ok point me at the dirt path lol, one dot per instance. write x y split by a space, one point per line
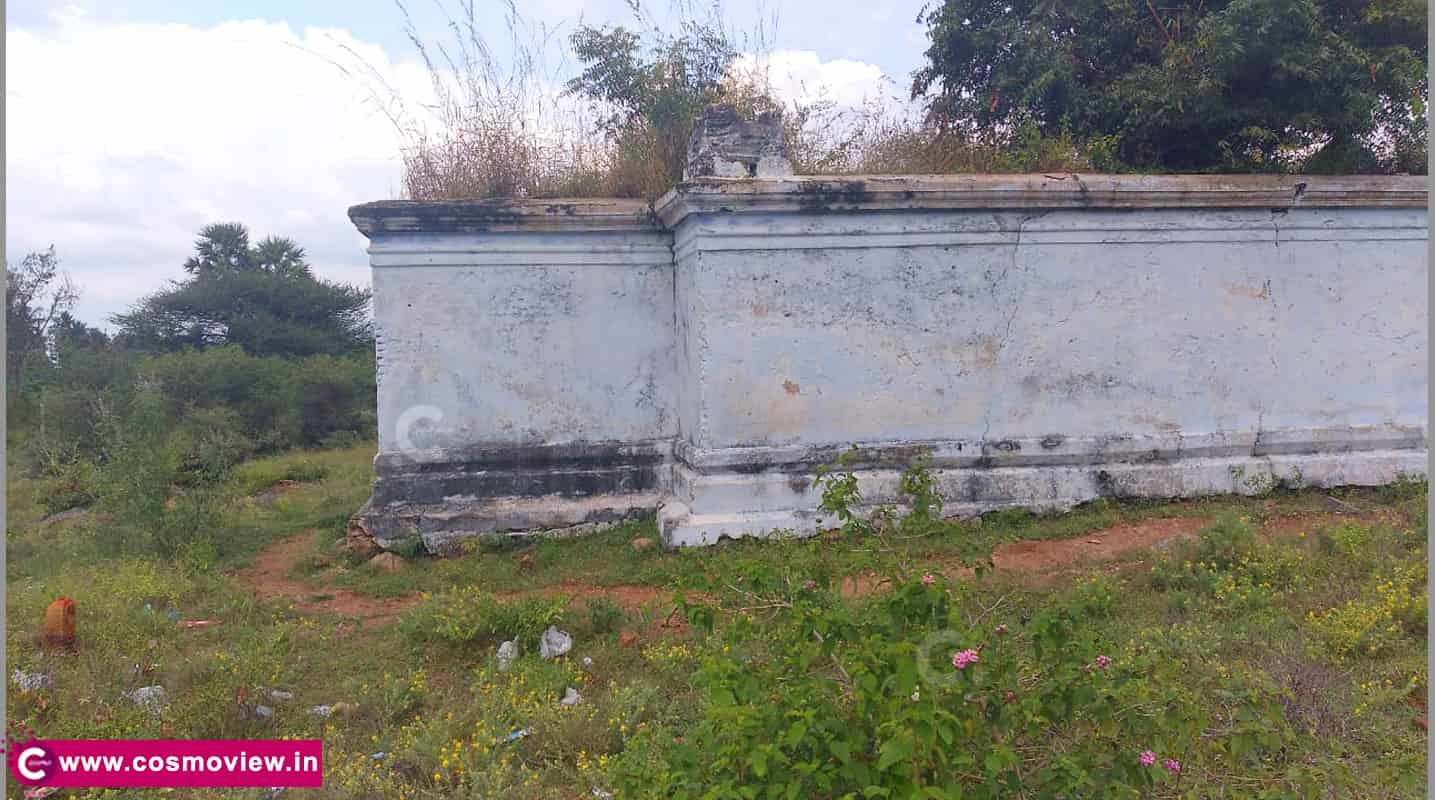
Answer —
269 579
1044 560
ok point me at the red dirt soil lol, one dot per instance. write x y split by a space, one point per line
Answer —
1103 545
1042 559
269 580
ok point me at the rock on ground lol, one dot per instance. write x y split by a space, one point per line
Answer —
358 543
507 654
554 643
150 698
389 562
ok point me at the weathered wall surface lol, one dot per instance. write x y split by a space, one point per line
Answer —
525 363
562 337
1042 340
830 328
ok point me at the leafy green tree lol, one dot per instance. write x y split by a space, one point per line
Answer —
263 298
1192 85
37 295
71 335
652 88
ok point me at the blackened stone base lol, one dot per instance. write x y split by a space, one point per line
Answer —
442 496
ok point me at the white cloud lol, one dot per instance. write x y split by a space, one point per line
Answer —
803 76
122 140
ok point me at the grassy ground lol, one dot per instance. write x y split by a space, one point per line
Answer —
1294 617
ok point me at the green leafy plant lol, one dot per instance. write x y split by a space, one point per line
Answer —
911 698
602 615
466 616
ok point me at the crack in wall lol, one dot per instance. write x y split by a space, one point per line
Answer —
1014 306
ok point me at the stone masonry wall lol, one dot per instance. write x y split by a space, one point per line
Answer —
1042 340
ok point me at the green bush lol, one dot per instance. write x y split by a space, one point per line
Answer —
1227 542
468 616
279 402
915 697
604 615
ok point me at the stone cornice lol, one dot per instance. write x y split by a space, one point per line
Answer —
498 215
1039 191
889 193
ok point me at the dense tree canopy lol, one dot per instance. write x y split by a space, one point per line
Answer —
1194 85
263 298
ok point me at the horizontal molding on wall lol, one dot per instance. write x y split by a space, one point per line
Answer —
498 215
821 194
1035 192
1054 449
568 248
885 230
706 508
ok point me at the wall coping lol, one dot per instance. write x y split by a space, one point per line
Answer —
1037 191
817 193
503 215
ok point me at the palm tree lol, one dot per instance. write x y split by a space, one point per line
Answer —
281 256
221 245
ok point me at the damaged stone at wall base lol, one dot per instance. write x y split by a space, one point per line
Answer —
442 527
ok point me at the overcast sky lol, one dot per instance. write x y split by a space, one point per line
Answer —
132 123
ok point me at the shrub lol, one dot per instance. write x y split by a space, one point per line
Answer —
603 615
1227 542
1389 611
913 697
274 402
467 616
67 485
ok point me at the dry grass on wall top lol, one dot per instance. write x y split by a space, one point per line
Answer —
621 128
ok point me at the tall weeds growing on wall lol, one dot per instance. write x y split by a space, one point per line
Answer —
495 127
510 126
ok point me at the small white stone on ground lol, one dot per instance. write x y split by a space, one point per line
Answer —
150 698
554 643
507 654
29 681
571 697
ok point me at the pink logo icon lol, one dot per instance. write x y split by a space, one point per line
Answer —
30 761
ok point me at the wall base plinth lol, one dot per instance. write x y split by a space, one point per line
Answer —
444 495
714 507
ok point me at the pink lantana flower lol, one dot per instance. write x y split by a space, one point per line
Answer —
1102 661
1173 765
1148 758
965 658
928 579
